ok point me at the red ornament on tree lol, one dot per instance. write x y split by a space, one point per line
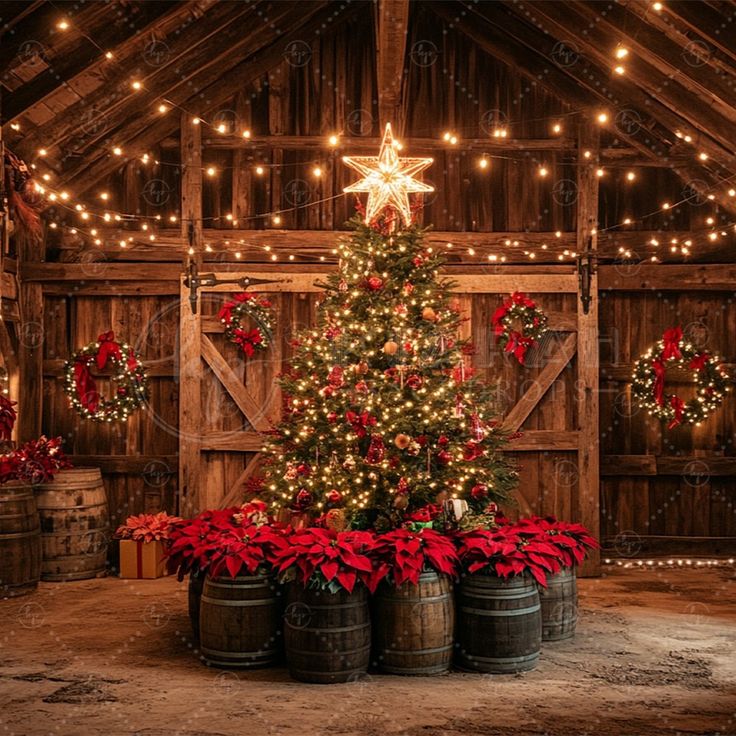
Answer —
376 450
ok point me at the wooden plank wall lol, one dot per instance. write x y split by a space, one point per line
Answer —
665 490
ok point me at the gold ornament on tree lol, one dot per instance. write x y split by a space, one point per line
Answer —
388 179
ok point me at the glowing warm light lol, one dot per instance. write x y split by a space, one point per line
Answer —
246 134
557 128
703 156
196 121
104 196
333 140
732 192
277 220
42 151
587 154
483 163
63 25
211 171
666 206
64 195
627 221
599 173
117 151
622 52
136 85
630 176
15 126
603 118
316 171
162 108
259 170
446 136
620 70
388 179
108 55
221 128
543 171
657 6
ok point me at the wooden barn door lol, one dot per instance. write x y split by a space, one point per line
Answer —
225 402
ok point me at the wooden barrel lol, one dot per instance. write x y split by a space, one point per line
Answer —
20 540
75 527
413 626
559 605
499 624
239 622
327 635
194 599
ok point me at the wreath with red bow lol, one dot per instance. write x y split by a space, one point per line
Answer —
255 307
129 378
518 324
672 351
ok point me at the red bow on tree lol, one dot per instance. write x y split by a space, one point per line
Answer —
359 422
671 340
108 348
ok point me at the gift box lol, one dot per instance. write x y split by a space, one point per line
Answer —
140 559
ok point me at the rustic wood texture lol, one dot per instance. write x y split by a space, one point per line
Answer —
413 626
20 541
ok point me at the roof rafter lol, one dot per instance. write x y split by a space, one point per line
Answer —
392 21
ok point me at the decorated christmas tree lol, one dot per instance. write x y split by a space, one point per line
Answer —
383 416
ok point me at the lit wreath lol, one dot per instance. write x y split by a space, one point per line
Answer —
649 379
257 308
519 308
130 379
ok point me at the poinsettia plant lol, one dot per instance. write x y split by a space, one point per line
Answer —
508 551
37 461
573 541
194 542
402 555
327 559
147 527
247 550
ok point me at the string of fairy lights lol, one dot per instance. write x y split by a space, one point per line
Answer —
93 221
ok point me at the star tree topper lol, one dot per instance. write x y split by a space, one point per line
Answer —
388 179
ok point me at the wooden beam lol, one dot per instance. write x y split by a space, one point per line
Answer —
586 387
651 465
651 277
543 440
233 441
392 22
190 331
547 376
128 464
235 495
235 388
140 133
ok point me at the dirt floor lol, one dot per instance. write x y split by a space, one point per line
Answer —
655 653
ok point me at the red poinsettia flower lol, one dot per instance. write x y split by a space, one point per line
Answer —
505 552
333 560
247 550
571 540
402 554
37 461
147 527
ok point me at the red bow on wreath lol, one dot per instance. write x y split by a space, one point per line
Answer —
518 345
679 406
519 297
671 340
86 386
659 371
108 348
248 340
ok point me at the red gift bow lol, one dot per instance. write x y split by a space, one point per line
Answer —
671 340
360 421
678 405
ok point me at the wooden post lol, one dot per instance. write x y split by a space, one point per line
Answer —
190 361
392 21
588 358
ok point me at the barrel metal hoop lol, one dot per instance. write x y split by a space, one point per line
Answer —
20 535
498 595
416 601
341 606
262 653
328 630
211 584
236 604
501 660
434 650
340 652
70 508
502 614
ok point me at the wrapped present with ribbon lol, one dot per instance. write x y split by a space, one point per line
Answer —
142 560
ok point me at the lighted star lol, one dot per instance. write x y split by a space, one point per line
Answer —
388 179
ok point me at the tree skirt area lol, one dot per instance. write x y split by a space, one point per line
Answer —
654 654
